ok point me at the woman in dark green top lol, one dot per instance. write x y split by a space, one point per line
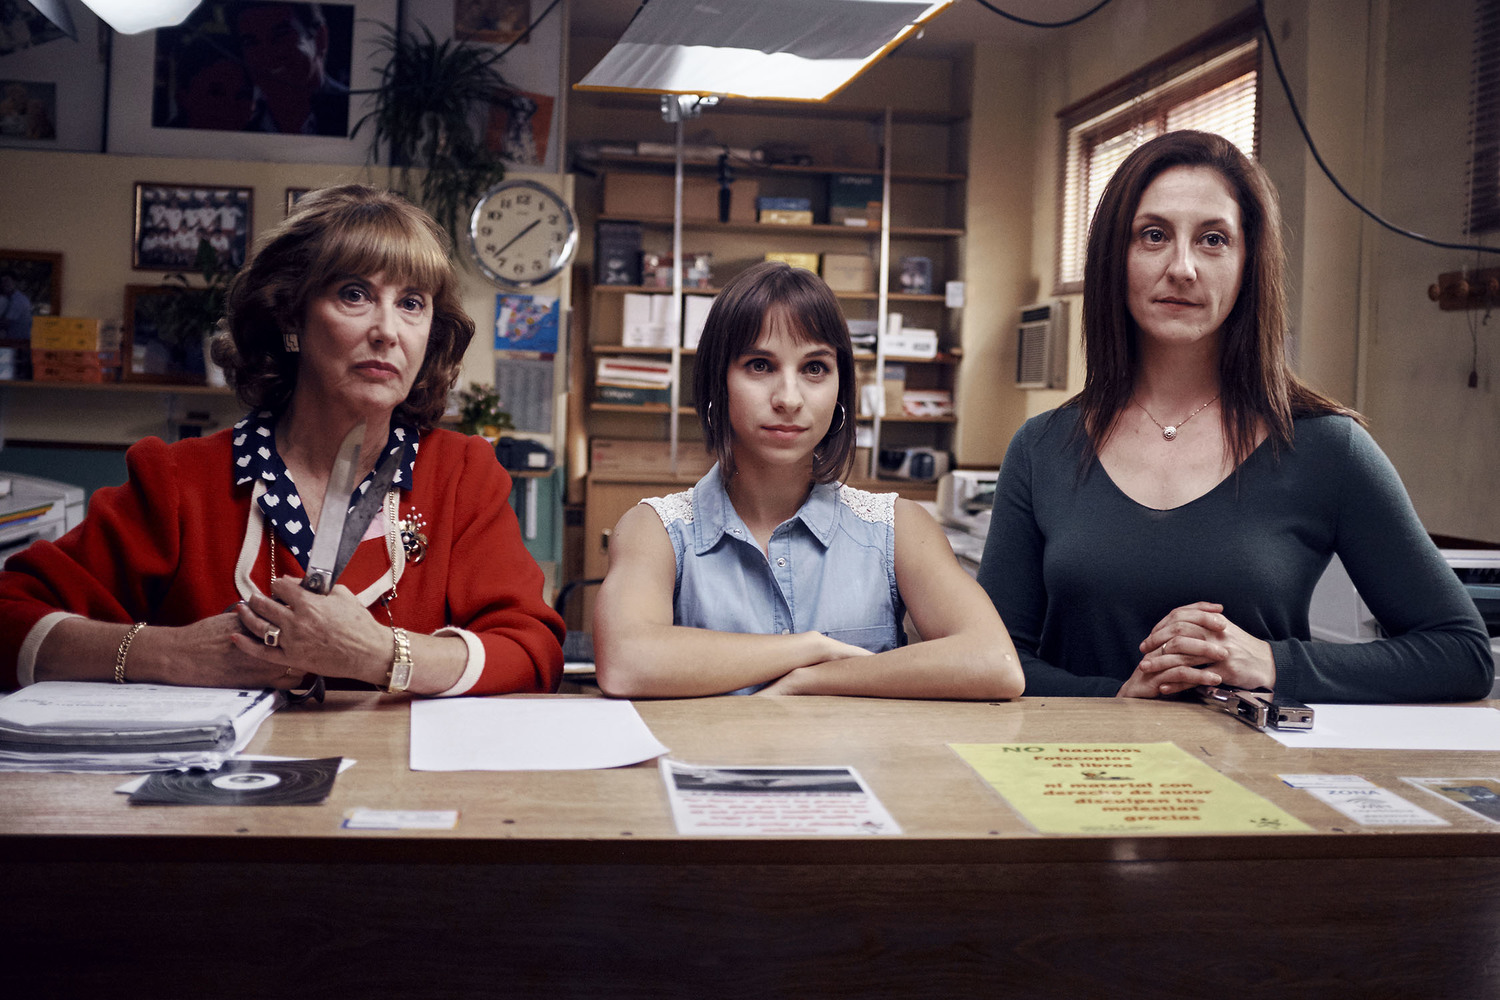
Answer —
1165 527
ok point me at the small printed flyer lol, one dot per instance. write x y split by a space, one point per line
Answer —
773 801
1109 788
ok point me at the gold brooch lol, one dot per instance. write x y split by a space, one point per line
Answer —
413 536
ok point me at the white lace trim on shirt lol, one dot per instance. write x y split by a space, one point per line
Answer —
876 508
676 507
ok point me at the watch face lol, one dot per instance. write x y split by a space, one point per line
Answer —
522 233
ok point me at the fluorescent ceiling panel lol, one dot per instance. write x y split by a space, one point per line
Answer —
771 49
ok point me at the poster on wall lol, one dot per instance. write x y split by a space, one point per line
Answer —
497 21
519 127
251 80
28 110
22 26
256 66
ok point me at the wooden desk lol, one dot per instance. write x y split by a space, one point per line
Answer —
575 883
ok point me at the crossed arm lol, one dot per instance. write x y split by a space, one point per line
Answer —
640 653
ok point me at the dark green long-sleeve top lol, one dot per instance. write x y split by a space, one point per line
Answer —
1081 573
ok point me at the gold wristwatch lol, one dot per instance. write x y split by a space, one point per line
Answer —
399 677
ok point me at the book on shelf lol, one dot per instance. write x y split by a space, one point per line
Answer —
633 371
631 395
97 726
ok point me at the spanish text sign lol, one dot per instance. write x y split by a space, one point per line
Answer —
1107 788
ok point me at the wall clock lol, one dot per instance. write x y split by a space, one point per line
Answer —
522 233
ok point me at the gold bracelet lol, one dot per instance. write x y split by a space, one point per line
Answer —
399 677
123 650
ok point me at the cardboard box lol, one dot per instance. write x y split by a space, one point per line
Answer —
806 261
618 458
649 196
912 342
849 272
789 204
786 217
75 366
75 333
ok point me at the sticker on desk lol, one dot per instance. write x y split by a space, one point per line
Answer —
400 819
1325 781
1110 788
1481 796
1376 807
772 801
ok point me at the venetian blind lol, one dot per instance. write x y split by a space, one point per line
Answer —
1213 90
1483 213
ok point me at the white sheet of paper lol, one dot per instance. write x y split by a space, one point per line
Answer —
773 801
1396 727
1325 781
528 734
1376 807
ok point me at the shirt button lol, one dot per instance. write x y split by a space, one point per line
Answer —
786 631
781 561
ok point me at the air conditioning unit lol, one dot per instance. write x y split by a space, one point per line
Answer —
1042 346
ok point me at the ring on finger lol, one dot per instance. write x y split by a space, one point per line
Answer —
272 637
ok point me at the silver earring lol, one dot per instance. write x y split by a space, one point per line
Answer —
708 415
291 342
835 430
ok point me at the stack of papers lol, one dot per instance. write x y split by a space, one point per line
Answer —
89 726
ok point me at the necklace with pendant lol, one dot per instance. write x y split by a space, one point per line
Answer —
1169 431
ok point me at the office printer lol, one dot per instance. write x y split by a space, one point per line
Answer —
1338 614
964 500
36 509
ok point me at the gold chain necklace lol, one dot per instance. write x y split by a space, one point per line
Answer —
1169 431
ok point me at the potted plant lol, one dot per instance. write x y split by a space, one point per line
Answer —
479 412
430 108
186 319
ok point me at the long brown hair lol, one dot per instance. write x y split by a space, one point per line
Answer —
1256 380
350 229
733 325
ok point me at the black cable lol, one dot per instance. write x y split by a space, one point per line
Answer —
1307 137
1044 24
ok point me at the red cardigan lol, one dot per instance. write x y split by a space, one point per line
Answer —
163 549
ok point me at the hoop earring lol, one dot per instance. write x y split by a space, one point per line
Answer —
708 415
291 342
835 430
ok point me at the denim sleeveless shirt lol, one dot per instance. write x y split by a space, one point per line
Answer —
831 568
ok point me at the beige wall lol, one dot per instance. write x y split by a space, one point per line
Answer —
81 205
1383 85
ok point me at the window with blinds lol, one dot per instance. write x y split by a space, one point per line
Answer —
1483 214
1210 84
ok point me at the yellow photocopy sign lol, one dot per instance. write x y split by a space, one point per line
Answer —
1120 788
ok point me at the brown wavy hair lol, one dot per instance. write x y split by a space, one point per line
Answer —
1256 380
733 325
333 232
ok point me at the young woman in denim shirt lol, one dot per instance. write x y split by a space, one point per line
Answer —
769 575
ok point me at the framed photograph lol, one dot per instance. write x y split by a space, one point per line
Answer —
163 342
30 285
496 21
170 220
294 195
28 110
256 66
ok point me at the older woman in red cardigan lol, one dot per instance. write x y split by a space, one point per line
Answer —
347 314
